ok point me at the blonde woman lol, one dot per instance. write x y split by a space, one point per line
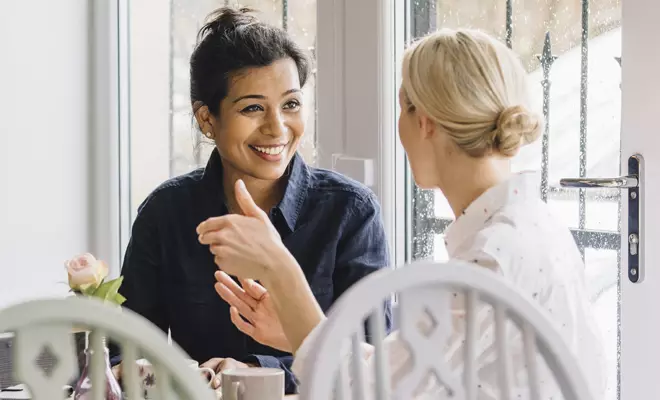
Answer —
464 113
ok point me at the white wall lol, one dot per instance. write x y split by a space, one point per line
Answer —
44 178
150 97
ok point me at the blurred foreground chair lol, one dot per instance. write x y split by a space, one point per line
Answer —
429 290
45 328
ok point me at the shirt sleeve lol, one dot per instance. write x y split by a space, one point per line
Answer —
397 355
142 272
401 354
301 358
284 363
362 250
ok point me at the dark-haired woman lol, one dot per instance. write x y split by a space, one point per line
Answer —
246 79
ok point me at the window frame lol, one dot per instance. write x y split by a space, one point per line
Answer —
109 130
356 105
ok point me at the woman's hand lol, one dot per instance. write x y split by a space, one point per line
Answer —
253 302
220 364
249 247
246 246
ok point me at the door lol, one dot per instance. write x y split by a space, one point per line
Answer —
638 280
640 324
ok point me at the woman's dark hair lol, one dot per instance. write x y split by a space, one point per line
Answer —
233 39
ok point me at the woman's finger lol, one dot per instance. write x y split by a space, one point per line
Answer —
213 224
226 280
228 296
222 236
239 323
253 289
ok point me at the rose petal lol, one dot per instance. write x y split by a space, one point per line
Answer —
72 265
84 277
86 259
101 270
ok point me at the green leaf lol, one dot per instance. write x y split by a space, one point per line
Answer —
89 291
119 299
108 290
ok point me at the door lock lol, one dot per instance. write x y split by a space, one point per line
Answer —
633 184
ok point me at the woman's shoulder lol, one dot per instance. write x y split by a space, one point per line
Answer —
173 188
324 182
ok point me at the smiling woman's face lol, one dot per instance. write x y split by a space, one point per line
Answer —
261 120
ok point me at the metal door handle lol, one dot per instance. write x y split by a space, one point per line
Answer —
622 182
633 184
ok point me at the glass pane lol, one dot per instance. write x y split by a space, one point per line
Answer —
531 20
188 149
602 281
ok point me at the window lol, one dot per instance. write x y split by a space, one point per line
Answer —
165 141
571 50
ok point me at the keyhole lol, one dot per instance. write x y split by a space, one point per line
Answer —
633 240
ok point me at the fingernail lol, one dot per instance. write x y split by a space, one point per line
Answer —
241 185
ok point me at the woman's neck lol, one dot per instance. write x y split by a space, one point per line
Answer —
472 179
266 193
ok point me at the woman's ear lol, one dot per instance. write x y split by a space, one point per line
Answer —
204 119
427 127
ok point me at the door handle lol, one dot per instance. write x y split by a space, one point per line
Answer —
622 182
632 183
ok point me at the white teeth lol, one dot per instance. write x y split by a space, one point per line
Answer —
270 150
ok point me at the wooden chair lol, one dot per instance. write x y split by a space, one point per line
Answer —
427 288
45 327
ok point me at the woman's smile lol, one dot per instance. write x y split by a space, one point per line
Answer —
269 152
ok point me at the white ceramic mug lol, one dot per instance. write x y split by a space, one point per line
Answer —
253 384
148 375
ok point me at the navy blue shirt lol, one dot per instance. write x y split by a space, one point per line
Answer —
331 224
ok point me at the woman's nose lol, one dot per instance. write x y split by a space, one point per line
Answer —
275 126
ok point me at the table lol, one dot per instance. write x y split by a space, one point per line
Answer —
24 395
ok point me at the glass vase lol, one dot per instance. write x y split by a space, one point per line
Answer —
83 388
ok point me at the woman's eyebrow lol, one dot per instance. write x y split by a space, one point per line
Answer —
262 97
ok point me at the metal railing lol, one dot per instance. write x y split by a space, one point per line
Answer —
425 225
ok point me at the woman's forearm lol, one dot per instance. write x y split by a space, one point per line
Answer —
296 306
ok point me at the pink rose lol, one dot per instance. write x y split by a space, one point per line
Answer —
85 271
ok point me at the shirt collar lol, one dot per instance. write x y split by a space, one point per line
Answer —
519 187
297 177
295 191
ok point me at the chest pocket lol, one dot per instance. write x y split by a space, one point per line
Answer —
323 290
197 315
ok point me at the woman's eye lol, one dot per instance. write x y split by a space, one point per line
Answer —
252 108
292 105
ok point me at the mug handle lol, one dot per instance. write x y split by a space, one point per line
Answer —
235 388
210 372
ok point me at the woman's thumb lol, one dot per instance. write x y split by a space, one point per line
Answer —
246 203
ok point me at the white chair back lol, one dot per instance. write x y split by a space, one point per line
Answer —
430 288
47 325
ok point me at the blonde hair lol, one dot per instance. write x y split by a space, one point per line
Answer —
474 88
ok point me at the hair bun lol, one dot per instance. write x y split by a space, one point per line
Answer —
227 19
516 126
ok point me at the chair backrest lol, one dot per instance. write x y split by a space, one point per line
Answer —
431 288
46 326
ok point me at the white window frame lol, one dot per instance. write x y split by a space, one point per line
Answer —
356 99
109 130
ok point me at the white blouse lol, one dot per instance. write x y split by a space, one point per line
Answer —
509 230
